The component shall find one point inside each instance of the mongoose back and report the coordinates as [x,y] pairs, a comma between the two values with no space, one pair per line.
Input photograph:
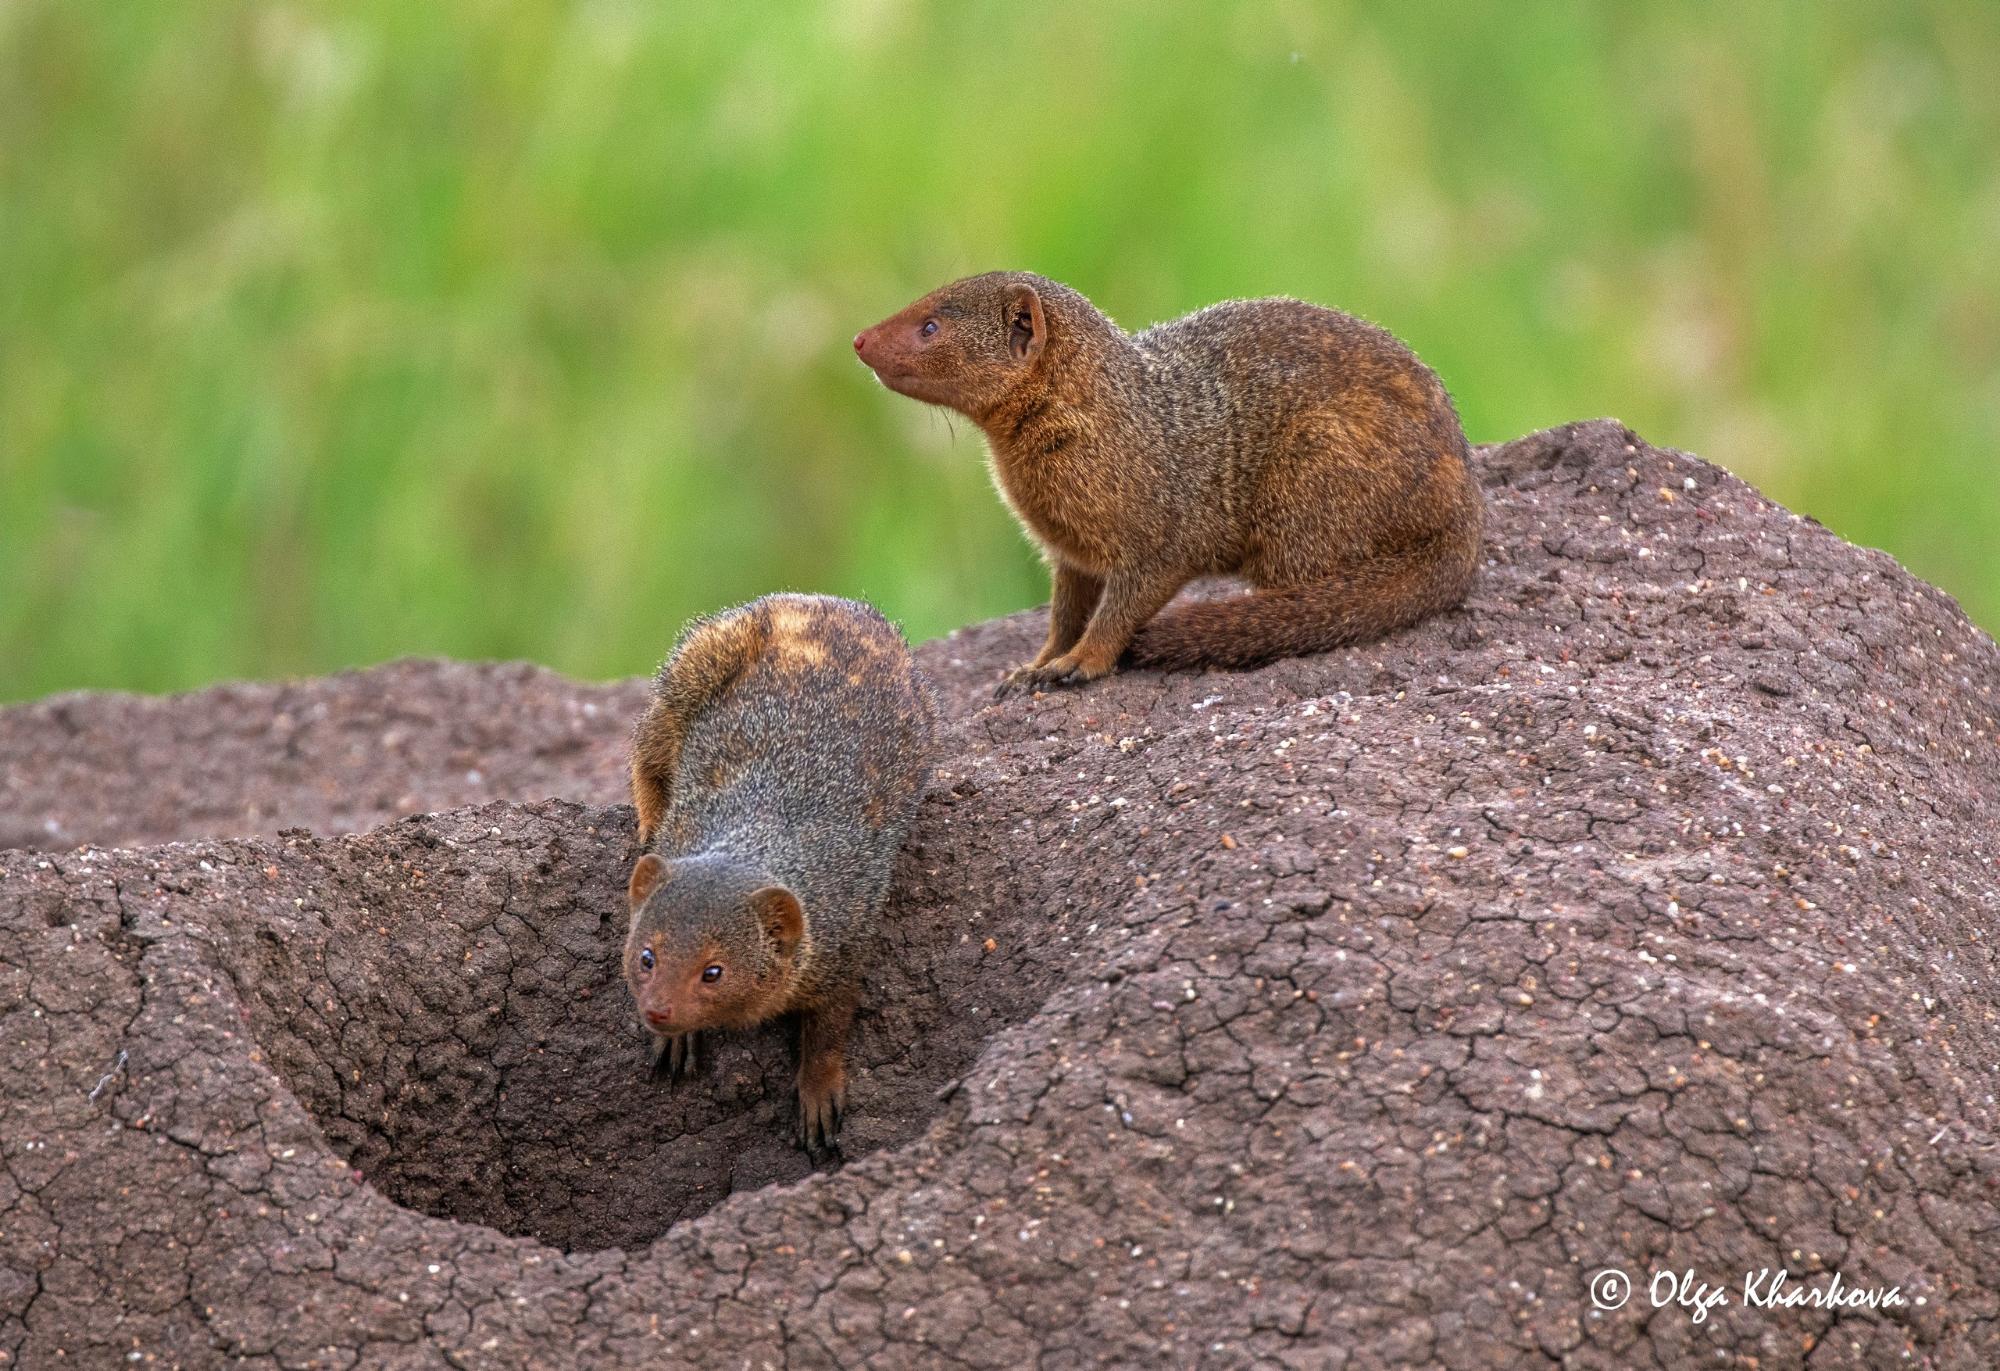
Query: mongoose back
[775,771]
[1297,447]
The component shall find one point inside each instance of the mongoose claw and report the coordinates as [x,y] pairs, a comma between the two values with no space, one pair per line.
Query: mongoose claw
[675,1056]
[819,1123]
[1011,682]
[1040,677]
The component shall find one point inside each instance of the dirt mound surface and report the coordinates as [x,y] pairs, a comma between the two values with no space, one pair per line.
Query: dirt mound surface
[1357,1011]
[336,755]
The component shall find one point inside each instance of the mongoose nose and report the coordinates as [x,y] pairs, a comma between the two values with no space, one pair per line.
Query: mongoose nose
[861,340]
[659,1018]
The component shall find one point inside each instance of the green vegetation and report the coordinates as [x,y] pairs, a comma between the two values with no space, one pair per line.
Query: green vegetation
[333,332]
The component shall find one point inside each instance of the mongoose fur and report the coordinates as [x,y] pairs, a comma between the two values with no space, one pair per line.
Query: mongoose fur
[775,771]
[1297,447]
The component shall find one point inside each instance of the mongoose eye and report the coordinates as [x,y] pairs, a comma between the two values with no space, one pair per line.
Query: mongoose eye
[930,327]
[646,958]
[711,973]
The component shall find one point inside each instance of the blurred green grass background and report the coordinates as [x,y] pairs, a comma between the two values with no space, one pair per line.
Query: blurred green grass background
[333,332]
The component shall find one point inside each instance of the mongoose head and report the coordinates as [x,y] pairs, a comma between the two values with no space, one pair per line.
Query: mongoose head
[965,345]
[712,945]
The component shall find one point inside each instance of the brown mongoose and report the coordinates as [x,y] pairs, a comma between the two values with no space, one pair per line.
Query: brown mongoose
[1300,448]
[775,771]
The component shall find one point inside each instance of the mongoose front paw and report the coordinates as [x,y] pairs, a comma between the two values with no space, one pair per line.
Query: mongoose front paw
[675,1056]
[1063,671]
[822,1102]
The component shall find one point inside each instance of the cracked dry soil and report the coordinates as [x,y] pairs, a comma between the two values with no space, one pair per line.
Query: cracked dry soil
[1348,1013]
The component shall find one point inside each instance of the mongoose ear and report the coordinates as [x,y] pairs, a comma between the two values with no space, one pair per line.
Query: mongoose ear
[1027,326]
[782,917]
[647,876]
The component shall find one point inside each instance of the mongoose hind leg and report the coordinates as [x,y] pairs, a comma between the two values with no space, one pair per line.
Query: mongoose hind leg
[823,1076]
[1132,595]
[675,1055]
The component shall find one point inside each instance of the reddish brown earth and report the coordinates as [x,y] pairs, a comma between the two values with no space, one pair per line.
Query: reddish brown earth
[1353,1012]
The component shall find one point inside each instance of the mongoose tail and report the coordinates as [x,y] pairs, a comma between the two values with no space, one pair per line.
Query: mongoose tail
[1367,599]
[711,654]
